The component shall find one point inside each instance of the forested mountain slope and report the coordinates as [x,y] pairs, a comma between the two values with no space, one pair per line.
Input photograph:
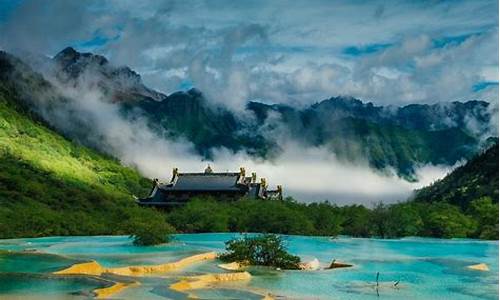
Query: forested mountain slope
[51,186]
[477,178]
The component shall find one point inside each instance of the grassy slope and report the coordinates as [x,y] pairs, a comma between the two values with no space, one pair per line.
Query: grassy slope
[51,186]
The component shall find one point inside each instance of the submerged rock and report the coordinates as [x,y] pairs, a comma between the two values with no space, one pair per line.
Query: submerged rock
[310,266]
[336,264]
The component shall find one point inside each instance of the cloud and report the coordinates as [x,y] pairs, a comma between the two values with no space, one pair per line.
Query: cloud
[284,52]
[315,174]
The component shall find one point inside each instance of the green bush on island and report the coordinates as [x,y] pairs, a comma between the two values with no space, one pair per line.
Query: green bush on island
[262,250]
[151,232]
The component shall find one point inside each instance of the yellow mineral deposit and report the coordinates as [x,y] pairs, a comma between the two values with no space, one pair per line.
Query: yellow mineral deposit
[234,266]
[94,268]
[479,267]
[202,281]
[117,287]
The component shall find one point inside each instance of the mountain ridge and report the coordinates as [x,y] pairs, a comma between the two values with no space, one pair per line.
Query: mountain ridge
[388,137]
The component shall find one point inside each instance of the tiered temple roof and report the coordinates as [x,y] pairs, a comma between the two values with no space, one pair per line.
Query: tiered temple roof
[221,186]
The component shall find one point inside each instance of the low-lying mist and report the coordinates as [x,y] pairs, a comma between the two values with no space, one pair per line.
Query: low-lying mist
[306,173]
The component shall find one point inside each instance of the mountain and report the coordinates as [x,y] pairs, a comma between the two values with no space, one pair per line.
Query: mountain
[402,138]
[50,185]
[385,136]
[477,178]
[119,83]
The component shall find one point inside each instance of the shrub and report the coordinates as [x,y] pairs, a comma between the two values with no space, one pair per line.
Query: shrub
[263,250]
[151,233]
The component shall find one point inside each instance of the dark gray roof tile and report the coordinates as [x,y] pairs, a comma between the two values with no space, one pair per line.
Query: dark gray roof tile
[205,182]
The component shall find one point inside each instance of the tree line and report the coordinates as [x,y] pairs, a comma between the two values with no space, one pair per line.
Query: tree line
[438,219]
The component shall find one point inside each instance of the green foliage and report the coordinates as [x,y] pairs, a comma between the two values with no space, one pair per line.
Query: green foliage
[486,213]
[326,218]
[395,220]
[263,250]
[51,186]
[446,220]
[201,215]
[249,215]
[465,202]
[477,178]
[271,217]
[151,232]
[404,219]
[356,221]
[379,220]
[384,220]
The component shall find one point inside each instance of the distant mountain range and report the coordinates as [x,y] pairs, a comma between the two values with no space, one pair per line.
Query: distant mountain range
[402,138]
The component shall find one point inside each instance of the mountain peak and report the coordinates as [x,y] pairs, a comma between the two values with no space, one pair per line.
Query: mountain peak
[68,51]
[69,57]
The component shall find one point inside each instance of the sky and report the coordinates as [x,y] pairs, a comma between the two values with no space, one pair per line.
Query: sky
[291,52]
[296,52]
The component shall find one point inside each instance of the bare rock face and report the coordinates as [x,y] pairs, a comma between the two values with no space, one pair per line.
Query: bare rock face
[92,70]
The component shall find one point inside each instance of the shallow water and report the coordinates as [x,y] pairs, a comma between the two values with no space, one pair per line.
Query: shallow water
[425,268]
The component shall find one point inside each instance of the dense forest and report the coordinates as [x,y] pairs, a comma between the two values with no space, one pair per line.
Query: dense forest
[440,219]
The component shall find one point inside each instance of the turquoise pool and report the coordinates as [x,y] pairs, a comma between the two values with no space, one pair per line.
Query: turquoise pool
[425,268]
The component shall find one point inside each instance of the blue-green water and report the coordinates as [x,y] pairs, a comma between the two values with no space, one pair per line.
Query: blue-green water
[425,268]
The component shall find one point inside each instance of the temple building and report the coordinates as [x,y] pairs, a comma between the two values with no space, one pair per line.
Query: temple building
[227,186]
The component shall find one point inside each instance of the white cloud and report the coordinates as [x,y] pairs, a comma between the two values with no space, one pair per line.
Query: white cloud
[282,51]
[314,174]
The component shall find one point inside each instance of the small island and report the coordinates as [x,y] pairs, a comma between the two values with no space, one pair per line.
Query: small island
[261,250]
